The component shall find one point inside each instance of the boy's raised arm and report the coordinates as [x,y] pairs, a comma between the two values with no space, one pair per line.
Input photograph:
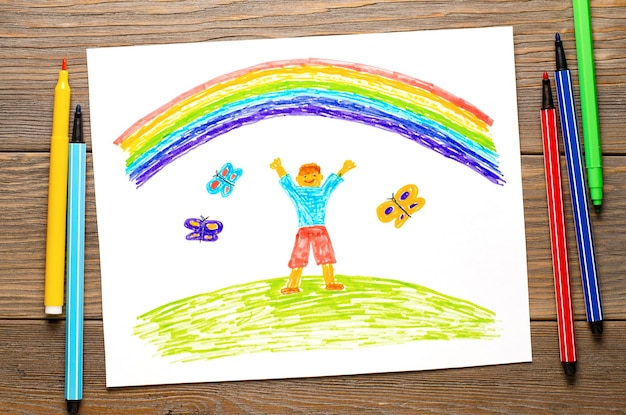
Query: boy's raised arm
[347,166]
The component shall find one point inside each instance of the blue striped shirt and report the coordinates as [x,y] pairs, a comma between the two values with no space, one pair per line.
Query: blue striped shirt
[310,202]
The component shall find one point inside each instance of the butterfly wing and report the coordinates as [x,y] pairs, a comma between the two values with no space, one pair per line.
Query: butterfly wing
[387,211]
[226,189]
[214,186]
[196,227]
[234,175]
[225,170]
[211,229]
[401,218]
[415,205]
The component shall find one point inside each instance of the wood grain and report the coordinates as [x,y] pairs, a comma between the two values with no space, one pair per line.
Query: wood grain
[537,387]
[36,35]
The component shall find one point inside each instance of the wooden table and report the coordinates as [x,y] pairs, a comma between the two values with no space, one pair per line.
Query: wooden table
[35,35]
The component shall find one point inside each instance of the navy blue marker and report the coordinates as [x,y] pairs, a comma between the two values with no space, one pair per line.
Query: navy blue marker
[578,190]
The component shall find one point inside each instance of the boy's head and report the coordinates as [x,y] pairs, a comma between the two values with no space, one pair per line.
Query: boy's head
[309,175]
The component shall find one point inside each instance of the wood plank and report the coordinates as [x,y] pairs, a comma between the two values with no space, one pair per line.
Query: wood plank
[23,221]
[32,48]
[33,382]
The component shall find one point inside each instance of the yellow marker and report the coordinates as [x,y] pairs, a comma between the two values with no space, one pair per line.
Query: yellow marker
[57,196]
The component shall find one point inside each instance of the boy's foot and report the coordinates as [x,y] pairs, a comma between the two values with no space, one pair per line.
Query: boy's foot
[290,290]
[335,286]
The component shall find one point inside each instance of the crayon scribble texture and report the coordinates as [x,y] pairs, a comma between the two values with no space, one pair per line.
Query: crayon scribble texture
[414,109]
[255,317]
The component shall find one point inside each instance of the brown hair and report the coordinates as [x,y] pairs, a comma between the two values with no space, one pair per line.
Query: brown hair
[309,168]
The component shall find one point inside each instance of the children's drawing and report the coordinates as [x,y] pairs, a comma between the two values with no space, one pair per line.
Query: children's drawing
[451,292]
[310,197]
[401,205]
[224,180]
[203,229]
[381,98]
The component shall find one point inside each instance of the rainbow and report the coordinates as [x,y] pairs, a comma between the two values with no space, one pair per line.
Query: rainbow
[414,109]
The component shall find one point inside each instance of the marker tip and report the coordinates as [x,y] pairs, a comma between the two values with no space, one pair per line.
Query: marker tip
[557,37]
[72,407]
[596,327]
[64,65]
[78,111]
[545,76]
[570,368]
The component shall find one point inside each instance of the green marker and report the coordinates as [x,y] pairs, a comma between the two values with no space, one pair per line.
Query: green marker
[588,100]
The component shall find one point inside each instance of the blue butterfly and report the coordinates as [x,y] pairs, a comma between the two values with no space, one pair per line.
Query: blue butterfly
[224,181]
[203,229]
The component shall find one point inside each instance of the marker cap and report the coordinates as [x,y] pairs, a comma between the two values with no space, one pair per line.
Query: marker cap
[54,309]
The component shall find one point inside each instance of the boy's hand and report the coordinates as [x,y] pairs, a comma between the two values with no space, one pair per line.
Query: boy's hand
[347,166]
[278,166]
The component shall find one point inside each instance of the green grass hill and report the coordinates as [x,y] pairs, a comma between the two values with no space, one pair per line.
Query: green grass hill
[256,317]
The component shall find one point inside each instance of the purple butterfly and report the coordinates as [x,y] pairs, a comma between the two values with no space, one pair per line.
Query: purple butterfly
[203,229]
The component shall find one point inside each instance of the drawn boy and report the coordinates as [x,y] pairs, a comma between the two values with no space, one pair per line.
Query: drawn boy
[310,197]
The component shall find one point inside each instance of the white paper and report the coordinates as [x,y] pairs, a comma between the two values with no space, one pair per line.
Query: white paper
[467,242]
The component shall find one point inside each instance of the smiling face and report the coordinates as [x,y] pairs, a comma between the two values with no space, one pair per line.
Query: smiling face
[309,175]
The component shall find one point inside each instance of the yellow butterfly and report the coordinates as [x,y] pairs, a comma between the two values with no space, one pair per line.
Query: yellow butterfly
[401,205]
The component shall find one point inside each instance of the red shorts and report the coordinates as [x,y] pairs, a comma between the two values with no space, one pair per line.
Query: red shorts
[316,237]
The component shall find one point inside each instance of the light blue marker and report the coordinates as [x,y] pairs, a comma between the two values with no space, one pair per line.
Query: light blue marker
[75,267]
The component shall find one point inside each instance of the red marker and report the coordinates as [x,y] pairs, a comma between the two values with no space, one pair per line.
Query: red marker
[565,316]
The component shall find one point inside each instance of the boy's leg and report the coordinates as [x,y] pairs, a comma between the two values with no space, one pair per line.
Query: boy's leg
[329,278]
[293,284]
[325,256]
[297,262]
